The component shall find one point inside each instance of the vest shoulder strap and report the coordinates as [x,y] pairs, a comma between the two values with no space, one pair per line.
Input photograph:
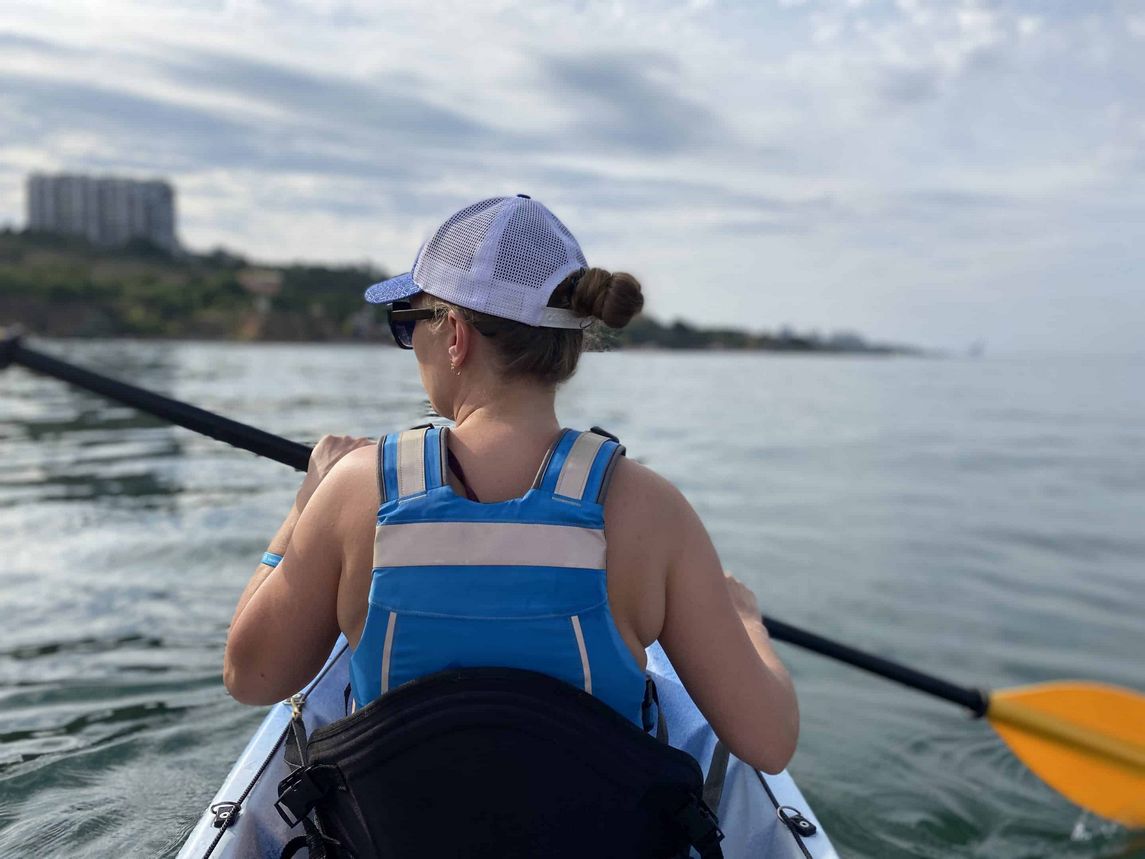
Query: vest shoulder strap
[411,462]
[580,466]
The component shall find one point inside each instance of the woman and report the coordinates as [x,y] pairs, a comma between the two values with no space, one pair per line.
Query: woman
[461,560]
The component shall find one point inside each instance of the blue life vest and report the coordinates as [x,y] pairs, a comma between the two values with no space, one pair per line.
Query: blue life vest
[515,584]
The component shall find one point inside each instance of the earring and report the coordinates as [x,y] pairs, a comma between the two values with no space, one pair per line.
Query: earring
[454,368]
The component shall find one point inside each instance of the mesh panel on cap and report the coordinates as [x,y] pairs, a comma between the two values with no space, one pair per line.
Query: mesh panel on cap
[529,252]
[455,241]
[502,255]
[572,241]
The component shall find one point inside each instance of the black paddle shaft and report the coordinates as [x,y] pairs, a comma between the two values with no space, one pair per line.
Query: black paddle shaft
[972,699]
[240,435]
[296,455]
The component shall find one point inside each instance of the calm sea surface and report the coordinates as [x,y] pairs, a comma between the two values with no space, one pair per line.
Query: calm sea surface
[981,519]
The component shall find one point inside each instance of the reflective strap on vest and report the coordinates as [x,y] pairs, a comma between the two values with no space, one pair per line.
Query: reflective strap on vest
[388,650]
[583,653]
[469,544]
[578,464]
[411,462]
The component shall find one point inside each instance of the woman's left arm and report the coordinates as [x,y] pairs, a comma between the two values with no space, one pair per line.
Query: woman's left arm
[286,620]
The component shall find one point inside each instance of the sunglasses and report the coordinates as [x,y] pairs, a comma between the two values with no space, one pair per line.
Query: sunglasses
[403,318]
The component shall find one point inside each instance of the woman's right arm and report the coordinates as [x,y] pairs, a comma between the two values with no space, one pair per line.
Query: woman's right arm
[717,643]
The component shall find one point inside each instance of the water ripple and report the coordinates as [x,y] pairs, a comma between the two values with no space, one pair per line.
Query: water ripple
[980,520]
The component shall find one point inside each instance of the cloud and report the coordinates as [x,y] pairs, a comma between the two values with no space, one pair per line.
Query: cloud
[630,102]
[163,133]
[374,112]
[906,85]
[846,152]
[962,201]
[12,42]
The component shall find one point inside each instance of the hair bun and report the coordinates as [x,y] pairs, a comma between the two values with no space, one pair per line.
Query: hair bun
[612,298]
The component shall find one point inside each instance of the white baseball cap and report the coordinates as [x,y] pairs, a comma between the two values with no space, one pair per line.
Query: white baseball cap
[503,256]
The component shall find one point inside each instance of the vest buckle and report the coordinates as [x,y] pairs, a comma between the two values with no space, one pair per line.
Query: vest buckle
[701,827]
[298,793]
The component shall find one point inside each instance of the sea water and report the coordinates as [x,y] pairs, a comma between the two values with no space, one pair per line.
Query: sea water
[981,519]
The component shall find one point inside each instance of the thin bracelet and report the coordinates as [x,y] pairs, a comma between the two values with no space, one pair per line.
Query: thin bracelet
[271,559]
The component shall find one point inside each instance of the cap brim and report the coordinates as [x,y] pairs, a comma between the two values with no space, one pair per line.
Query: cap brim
[394,289]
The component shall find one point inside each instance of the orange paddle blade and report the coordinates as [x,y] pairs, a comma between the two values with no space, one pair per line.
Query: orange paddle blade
[1085,740]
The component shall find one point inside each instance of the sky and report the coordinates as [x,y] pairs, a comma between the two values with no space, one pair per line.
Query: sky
[936,172]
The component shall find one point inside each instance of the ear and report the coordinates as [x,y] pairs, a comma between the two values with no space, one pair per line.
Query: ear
[460,339]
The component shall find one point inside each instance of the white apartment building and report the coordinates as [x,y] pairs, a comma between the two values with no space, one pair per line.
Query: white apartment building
[106,210]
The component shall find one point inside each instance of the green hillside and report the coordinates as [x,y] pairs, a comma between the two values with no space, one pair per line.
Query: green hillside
[63,286]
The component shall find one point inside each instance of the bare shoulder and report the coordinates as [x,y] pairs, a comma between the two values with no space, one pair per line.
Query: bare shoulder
[639,495]
[361,461]
[351,487]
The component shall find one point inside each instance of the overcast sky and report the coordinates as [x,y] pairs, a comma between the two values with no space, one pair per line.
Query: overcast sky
[932,172]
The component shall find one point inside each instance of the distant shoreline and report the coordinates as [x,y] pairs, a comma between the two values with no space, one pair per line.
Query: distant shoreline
[65,287]
[34,335]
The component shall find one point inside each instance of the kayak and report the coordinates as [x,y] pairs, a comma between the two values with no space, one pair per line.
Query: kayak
[760,814]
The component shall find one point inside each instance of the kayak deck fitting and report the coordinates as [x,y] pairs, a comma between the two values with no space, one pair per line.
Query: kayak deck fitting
[760,815]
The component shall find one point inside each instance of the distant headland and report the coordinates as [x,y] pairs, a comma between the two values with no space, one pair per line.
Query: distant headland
[67,286]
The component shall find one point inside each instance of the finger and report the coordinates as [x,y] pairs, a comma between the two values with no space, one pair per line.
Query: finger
[326,442]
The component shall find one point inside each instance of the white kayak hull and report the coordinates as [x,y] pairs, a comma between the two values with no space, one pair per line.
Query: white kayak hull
[747,813]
